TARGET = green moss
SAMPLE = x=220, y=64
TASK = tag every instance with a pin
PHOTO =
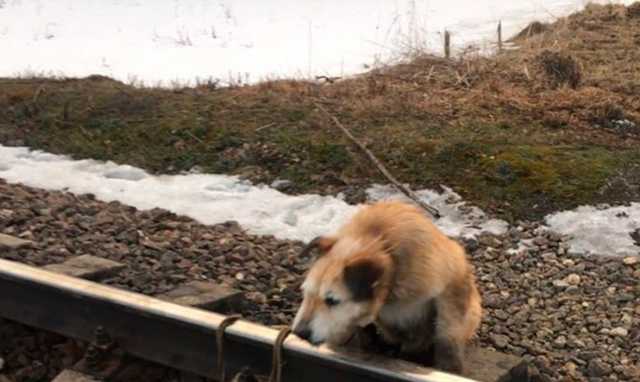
x=531, y=179
x=526, y=171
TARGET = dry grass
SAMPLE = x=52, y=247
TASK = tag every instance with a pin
x=550, y=125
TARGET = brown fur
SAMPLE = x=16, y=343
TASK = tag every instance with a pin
x=417, y=285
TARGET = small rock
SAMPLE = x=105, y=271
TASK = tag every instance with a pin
x=588, y=355
x=631, y=260
x=282, y=184
x=572, y=279
x=560, y=283
x=598, y=368
x=619, y=332
x=501, y=314
x=624, y=297
x=570, y=368
x=540, y=241
x=572, y=289
x=560, y=341
x=500, y=341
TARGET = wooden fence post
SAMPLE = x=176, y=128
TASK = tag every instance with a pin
x=447, y=44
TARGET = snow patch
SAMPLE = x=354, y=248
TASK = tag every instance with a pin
x=126, y=173
x=599, y=230
x=213, y=199
x=262, y=210
x=458, y=218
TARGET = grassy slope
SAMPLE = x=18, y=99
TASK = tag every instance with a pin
x=498, y=130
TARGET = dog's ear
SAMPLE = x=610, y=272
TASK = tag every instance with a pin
x=322, y=243
x=361, y=276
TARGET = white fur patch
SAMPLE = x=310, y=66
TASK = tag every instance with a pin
x=309, y=286
x=336, y=324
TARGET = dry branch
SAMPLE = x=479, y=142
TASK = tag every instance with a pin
x=401, y=187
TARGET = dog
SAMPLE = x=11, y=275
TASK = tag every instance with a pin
x=390, y=266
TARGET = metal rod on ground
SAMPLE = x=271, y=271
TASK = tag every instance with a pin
x=401, y=187
x=181, y=337
x=500, y=36
x=447, y=44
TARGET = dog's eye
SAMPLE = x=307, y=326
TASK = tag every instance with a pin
x=331, y=301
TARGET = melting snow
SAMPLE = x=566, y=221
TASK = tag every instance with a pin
x=605, y=231
x=458, y=219
x=213, y=199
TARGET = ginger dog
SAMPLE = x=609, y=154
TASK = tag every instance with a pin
x=391, y=266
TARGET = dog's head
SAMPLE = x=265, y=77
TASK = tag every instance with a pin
x=344, y=289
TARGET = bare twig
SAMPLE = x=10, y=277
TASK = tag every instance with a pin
x=462, y=79
x=193, y=136
x=431, y=71
x=401, y=187
x=268, y=125
x=328, y=79
x=36, y=96
x=526, y=72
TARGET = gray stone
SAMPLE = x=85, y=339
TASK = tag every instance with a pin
x=598, y=368
x=12, y=242
x=87, y=267
x=282, y=184
x=560, y=342
x=500, y=341
x=204, y=295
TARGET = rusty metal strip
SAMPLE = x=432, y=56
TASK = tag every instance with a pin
x=178, y=336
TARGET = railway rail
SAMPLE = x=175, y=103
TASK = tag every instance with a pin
x=181, y=337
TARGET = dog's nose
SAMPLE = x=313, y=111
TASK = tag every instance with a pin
x=303, y=333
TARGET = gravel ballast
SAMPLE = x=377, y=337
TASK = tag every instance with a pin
x=576, y=317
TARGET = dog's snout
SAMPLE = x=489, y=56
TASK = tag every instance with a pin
x=303, y=332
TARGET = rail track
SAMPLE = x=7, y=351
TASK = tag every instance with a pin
x=178, y=336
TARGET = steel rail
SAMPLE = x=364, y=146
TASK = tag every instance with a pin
x=178, y=336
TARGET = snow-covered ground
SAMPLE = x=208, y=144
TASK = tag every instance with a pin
x=260, y=209
x=163, y=42
x=213, y=199
x=179, y=41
